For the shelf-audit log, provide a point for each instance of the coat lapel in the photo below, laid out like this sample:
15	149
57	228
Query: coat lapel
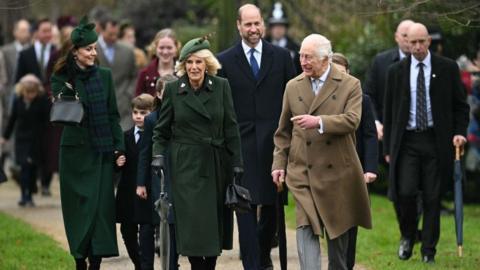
190	99
101	56
242	62
267	60
305	93
328	89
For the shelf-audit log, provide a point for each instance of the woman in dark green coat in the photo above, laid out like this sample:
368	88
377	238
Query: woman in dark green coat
87	151
197	121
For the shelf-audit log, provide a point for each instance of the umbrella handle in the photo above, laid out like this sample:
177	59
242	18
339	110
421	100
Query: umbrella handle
457	152
460	251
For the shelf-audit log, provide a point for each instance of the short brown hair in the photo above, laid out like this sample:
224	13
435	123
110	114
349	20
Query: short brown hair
143	102
340	59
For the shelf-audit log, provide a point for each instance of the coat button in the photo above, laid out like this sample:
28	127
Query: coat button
329	166
328	142
309	142
309	166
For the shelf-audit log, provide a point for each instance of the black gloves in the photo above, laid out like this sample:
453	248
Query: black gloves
237	172
158	163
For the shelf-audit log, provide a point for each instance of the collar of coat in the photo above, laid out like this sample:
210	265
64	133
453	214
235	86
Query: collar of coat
208	84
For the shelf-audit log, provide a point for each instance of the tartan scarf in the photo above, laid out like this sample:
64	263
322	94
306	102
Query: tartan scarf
96	110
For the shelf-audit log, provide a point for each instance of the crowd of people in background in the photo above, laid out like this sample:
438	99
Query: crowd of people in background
280	116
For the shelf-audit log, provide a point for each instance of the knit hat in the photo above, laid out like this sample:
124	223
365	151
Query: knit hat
192	46
84	34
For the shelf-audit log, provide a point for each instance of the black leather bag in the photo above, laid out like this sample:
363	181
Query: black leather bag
238	198
67	110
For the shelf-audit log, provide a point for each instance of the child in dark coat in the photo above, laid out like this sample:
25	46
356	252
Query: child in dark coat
148	184
126	191
28	119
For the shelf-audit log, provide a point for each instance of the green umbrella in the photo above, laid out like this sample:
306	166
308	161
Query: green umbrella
162	205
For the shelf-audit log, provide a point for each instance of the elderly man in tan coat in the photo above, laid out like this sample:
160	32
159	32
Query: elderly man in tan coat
315	150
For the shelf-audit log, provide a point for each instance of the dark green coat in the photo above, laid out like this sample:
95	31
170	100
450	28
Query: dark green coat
205	145
86	180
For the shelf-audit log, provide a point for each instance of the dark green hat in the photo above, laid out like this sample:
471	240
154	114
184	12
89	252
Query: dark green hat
84	34
192	46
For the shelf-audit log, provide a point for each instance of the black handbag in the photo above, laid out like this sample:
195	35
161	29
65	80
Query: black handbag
67	110
238	198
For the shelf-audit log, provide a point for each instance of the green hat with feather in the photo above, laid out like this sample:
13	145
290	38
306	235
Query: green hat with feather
192	46
84	34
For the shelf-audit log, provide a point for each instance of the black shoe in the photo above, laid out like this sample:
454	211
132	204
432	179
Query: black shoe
22	203
428	259
405	249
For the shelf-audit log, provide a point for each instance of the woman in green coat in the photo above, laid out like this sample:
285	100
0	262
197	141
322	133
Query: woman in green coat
197	121
87	152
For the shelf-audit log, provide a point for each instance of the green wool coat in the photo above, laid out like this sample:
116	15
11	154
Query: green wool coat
204	141
86	179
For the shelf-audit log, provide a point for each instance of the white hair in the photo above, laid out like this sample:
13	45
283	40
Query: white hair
323	45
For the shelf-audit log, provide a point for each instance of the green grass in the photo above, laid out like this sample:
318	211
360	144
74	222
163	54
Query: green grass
21	247
377	248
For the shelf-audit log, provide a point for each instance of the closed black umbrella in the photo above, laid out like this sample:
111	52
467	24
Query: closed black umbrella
163	207
458	175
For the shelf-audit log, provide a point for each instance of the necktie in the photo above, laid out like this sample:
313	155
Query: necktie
421	112
253	63
42	59
316	86
139	137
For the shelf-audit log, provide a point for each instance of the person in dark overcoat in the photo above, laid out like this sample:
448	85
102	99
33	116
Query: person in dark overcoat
198	124
367	150
163	51
126	198
87	151
148	183
258	102
28	121
424	118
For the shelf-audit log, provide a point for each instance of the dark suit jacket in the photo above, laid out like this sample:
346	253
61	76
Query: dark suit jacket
27	63
258	104
366	135
126	190
375	83
450	112
29	125
145	176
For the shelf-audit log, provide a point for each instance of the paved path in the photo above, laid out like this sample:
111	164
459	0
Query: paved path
47	217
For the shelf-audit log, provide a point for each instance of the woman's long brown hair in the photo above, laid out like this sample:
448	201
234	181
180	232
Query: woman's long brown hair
65	52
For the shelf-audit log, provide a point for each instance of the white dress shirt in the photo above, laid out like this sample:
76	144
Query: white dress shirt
108	50
427	71
46	53
257	54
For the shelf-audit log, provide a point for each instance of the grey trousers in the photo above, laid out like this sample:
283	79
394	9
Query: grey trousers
308	246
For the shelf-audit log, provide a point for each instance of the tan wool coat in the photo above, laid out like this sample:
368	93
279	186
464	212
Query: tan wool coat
323	171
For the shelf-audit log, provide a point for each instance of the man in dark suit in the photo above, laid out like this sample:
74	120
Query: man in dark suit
34	59
257	72
425	116
375	83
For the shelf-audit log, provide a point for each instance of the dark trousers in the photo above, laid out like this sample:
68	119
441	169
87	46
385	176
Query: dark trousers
147	245
352	247
27	178
202	263
256	237
130	238
418	170
173	249
337	251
